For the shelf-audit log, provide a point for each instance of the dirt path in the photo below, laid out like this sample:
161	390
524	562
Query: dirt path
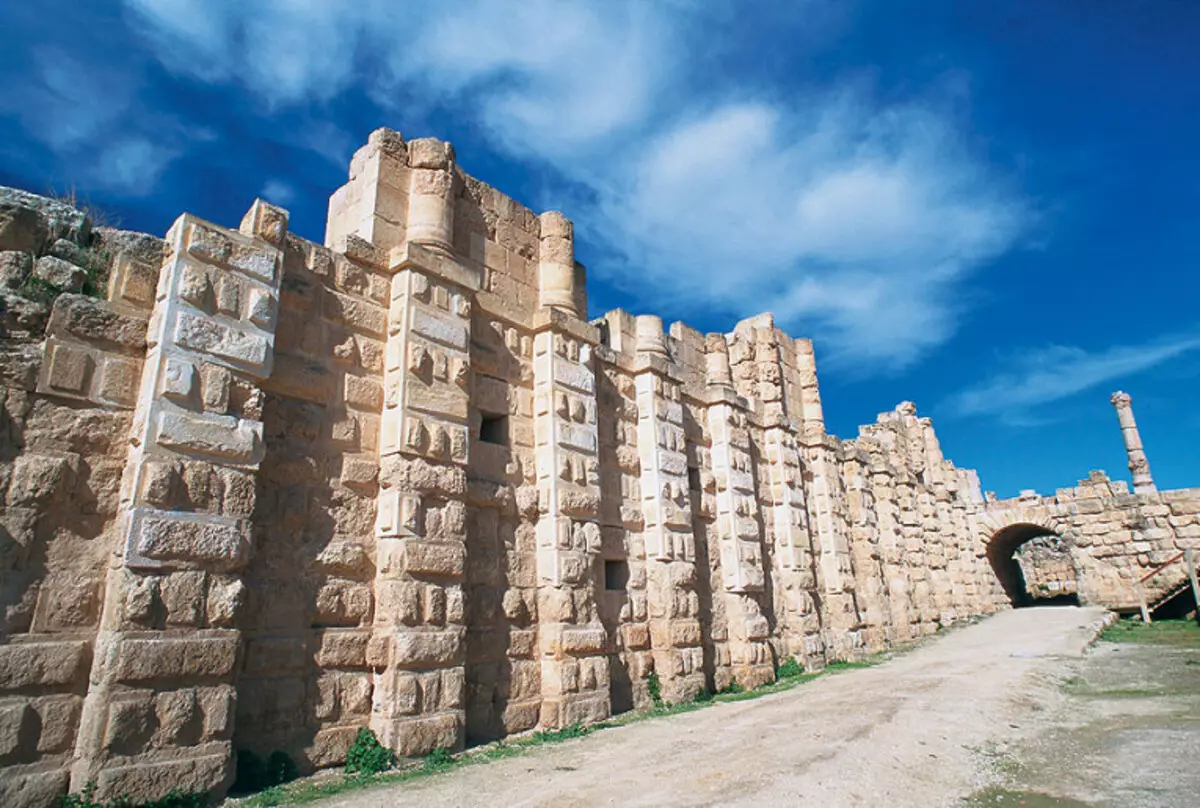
1122	731
909	732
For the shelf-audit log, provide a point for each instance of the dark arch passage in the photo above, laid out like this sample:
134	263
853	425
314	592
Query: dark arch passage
1001	552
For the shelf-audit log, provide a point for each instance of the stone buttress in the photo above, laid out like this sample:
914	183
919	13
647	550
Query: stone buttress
572	640
159	708
671	578
738	525
417	648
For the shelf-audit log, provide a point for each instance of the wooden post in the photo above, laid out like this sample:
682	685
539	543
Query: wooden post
1190	561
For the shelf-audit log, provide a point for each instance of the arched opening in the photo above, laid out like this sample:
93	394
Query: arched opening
1010	562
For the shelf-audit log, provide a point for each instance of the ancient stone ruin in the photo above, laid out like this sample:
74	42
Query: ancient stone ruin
259	493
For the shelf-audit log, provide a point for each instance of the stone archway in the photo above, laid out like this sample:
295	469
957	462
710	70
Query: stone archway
1002	531
1001	555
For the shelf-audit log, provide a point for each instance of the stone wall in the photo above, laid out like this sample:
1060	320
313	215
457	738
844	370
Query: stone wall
1047	568
268	492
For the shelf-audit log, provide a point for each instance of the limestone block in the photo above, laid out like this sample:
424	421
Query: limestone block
434	559
119	381
59	720
18	732
343	603
583	640
362	393
38	479
132	281
439	329
243	349
59	273
154	780
97	323
67	601
265	221
32	788
218	436
15	267
42	664
343	648
426	649
165	539
142	660
69	369
356	314
224	601
330	746
419	736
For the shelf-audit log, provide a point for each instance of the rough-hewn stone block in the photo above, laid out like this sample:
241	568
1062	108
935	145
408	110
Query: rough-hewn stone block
161	538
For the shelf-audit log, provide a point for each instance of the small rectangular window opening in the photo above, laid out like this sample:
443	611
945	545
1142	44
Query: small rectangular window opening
494	429
616	576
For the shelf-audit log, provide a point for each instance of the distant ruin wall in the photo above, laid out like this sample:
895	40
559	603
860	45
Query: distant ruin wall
260	493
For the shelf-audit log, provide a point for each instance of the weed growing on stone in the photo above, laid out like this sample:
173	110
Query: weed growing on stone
789	669
439	760
849	666
733	687
564	734
654	688
367	755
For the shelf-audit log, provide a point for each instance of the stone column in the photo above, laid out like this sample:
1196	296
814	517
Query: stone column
431	194
416	648
556	263
674	604
737	523
159	709
1143	483
572	640
811	416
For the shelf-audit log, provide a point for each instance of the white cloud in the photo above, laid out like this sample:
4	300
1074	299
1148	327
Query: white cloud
1055	372
857	222
278	192
131	165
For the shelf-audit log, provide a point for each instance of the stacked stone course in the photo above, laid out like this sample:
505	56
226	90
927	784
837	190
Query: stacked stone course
269	492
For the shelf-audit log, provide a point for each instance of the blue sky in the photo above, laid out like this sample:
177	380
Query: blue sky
990	209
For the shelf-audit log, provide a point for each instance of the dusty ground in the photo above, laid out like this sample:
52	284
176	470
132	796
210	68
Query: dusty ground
1122	729
960	716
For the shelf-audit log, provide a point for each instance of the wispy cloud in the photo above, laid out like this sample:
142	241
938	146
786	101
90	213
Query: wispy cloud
1047	375
278	192
856	220
132	165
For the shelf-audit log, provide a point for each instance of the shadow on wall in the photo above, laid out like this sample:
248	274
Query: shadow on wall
1001	553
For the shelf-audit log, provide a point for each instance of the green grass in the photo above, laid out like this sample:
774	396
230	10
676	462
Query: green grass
1004	798
1174	633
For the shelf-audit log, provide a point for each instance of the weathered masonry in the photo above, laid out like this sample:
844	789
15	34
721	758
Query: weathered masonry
266	492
